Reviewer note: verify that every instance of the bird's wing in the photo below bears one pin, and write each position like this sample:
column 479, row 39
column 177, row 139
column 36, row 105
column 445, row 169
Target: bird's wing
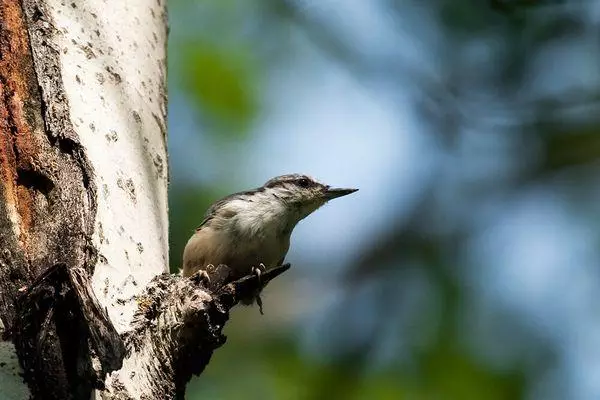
column 210, row 213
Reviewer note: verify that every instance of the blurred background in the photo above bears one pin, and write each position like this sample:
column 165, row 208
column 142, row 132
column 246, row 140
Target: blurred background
column 468, row 264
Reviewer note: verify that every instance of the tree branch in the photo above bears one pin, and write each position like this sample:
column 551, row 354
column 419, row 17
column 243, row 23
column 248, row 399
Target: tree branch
column 175, row 329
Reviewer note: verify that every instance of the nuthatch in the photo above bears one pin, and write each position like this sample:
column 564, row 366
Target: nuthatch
column 250, row 231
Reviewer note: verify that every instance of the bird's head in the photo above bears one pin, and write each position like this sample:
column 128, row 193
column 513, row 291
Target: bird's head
column 301, row 193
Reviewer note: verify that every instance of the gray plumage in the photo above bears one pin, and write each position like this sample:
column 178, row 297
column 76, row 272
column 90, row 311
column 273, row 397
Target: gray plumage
column 251, row 229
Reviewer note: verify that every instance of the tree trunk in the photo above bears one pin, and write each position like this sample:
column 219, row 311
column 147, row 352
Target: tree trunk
column 86, row 304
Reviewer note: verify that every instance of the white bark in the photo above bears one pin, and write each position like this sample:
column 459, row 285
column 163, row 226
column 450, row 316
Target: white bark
column 111, row 60
column 113, row 69
column 84, row 295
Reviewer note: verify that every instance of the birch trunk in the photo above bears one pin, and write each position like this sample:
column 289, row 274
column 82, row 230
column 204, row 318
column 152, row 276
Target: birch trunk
column 86, row 306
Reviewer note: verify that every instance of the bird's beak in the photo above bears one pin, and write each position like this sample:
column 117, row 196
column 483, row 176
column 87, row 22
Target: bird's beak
column 334, row 193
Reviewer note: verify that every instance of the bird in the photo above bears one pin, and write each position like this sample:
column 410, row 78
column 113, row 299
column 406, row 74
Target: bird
column 250, row 231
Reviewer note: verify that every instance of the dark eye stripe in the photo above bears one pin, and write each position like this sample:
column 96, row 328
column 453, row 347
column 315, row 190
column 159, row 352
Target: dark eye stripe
column 294, row 179
column 303, row 182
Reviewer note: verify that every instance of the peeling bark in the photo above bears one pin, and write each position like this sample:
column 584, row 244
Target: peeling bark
column 47, row 191
column 74, row 344
column 176, row 328
column 85, row 303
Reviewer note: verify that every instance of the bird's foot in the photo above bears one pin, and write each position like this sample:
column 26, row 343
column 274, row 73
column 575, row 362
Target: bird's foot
column 204, row 277
column 259, row 303
column 258, row 271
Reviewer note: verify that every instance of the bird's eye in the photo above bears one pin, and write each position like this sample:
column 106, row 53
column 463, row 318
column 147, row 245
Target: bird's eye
column 303, row 182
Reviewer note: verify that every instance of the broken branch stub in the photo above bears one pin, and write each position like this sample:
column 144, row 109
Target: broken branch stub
column 69, row 347
column 65, row 340
column 178, row 325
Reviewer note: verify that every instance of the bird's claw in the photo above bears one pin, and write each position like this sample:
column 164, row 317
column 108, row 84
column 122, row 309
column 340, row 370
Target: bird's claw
column 259, row 303
column 258, row 271
column 204, row 277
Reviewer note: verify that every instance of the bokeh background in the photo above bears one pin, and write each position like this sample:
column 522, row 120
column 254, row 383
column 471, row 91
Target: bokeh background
column 468, row 264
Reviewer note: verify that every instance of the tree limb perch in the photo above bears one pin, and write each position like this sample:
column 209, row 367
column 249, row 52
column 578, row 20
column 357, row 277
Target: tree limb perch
column 177, row 325
column 176, row 328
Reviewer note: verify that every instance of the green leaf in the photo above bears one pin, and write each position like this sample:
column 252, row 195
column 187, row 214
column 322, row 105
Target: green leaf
column 220, row 82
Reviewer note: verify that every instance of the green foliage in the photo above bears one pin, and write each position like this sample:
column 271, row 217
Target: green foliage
column 451, row 373
column 469, row 16
column 220, row 82
column 222, row 78
column 273, row 368
column 187, row 205
column 567, row 149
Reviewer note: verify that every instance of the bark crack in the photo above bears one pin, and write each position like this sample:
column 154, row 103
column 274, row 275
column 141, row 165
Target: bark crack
column 47, row 211
column 68, row 344
column 175, row 330
column 61, row 320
